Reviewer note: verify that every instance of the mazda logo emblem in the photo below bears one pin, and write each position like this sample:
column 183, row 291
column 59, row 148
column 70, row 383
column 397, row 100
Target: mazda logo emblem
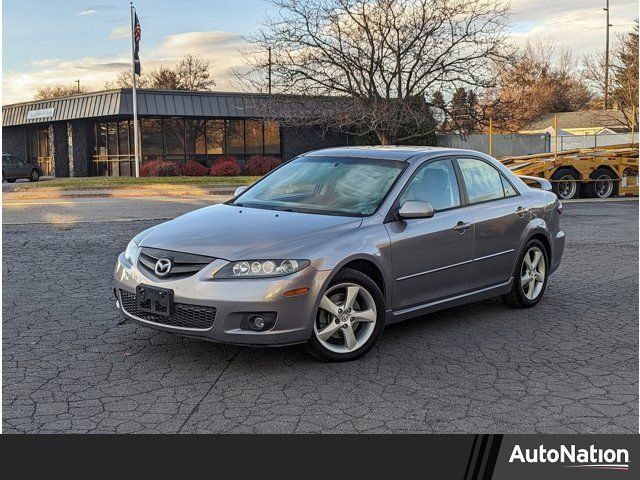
column 163, row 267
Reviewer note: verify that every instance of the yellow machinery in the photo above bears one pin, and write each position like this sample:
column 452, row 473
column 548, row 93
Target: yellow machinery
column 598, row 172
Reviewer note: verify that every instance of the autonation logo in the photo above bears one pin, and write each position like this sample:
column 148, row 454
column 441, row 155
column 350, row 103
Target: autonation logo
column 592, row 457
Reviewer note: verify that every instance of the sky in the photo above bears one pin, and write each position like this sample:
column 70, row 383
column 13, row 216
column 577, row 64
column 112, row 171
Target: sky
column 52, row 42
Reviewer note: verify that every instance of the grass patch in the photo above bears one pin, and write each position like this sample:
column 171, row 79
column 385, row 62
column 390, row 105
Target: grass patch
column 130, row 182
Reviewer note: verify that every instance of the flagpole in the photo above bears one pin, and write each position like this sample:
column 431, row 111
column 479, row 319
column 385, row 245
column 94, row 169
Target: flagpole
column 135, row 97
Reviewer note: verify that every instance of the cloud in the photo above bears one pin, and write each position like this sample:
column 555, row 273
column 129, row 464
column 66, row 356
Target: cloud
column 118, row 33
column 220, row 49
column 85, row 12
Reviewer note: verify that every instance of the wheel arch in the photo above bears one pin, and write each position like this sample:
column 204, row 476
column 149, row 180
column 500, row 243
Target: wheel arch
column 542, row 238
column 366, row 265
column 567, row 167
column 615, row 176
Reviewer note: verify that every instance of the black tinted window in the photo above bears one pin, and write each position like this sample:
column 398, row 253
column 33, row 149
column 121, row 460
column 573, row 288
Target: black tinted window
column 483, row 181
column 435, row 183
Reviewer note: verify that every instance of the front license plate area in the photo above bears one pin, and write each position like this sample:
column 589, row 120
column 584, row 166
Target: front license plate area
column 158, row 301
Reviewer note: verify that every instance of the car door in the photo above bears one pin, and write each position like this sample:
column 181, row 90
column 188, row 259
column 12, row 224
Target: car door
column 21, row 168
column 431, row 257
column 499, row 221
column 8, row 168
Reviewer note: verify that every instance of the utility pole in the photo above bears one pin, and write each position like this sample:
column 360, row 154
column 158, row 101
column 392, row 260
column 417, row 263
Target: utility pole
column 78, row 82
column 269, row 87
column 606, row 62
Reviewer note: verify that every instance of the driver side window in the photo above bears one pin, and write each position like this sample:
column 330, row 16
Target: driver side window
column 434, row 182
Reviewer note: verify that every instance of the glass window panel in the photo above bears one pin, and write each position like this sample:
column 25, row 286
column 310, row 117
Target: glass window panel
column 151, row 137
column 483, row 181
column 509, row 191
column 101, row 139
column 123, row 138
column 253, row 130
column 174, row 138
column 195, row 132
column 434, row 183
column 215, row 137
column 33, row 144
column 112, row 138
column 235, row 137
column 271, row 138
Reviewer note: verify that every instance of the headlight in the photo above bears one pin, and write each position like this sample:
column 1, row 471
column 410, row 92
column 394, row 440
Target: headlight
column 261, row 268
column 131, row 251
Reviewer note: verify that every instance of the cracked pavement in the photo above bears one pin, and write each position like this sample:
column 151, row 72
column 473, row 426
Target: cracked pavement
column 569, row 365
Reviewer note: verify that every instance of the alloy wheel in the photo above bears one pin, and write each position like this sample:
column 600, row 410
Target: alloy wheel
column 533, row 273
column 346, row 318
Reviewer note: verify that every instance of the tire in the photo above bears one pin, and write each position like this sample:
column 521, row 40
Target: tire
column 11, row 180
column 333, row 345
column 568, row 189
column 521, row 295
column 35, row 175
column 604, row 184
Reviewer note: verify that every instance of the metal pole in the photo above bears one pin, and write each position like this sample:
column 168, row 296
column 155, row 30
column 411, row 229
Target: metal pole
column 269, row 71
column 78, row 82
column 633, row 124
column 136, row 155
column 555, row 137
column 606, row 63
column 491, row 137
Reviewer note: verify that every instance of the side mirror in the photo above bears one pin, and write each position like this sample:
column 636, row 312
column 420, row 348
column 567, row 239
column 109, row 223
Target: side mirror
column 414, row 209
column 240, row 190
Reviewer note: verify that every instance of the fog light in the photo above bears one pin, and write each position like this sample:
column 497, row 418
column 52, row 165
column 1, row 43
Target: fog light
column 257, row 323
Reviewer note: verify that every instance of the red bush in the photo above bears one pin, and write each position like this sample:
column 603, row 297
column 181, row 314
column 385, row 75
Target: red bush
column 259, row 165
column 194, row 169
column 225, row 168
column 160, row 168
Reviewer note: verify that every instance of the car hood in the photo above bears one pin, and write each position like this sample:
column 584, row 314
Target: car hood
column 235, row 233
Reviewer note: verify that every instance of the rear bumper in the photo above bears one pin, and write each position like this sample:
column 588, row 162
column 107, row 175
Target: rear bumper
column 557, row 250
column 232, row 300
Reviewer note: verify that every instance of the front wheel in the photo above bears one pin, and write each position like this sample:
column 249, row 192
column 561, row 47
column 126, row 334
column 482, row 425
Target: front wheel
column 565, row 183
column 530, row 278
column 350, row 318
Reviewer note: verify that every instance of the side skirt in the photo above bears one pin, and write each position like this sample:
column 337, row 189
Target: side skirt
column 463, row 299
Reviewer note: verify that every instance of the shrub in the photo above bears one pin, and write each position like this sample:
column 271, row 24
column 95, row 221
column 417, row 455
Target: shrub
column 225, row 168
column 194, row 169
column 160, row 168
column 260, row 165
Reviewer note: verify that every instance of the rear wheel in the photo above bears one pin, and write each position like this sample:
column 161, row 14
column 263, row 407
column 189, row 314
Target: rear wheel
column 350, row 318
column 566, row 183
column 35, row 175
column 602, row 184
column 530, row 278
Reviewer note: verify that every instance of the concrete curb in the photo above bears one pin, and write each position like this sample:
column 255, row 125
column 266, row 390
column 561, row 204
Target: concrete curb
column 116, row 193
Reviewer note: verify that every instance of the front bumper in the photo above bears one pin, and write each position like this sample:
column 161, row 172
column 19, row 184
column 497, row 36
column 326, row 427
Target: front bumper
column 232, row 299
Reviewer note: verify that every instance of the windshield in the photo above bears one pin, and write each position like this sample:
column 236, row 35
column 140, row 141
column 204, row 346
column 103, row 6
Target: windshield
column 326, row 185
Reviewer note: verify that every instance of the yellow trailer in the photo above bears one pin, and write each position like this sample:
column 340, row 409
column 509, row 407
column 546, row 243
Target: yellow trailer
column 599, row 172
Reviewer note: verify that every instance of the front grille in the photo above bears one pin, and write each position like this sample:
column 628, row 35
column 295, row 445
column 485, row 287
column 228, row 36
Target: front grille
column 182, row 264
column 183, row 314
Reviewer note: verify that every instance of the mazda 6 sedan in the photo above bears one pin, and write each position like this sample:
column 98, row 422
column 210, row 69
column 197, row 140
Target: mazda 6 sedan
column 335, row 244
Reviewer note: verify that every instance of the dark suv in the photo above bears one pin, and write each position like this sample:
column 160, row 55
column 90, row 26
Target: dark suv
column 14, row 168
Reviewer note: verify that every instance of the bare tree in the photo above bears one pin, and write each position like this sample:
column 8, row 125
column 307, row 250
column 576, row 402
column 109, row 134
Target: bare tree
column 54, row 91
column 192, row 72
column 536, row 81
column 383, row 58
column 623, row 72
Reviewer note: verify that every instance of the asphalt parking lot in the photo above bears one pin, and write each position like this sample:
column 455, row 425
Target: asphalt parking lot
column 568, row 365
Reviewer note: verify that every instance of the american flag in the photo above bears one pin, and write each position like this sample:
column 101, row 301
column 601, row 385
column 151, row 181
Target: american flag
column 137, row 34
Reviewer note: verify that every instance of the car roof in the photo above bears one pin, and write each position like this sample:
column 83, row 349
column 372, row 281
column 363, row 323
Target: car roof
column 387, row 152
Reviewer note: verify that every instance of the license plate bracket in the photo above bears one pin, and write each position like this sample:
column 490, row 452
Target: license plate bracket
column 155, row 300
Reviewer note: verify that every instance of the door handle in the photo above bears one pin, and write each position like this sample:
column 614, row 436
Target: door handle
column 462, row 226
column 521, row 211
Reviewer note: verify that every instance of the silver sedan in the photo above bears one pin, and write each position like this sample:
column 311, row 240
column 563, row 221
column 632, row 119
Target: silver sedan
column 334, row 245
